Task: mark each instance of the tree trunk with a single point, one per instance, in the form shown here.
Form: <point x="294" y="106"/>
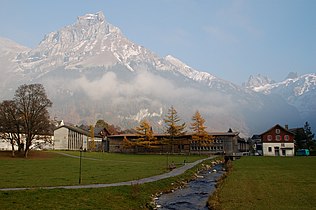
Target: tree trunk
<point x="26" y="152"/>
<point x="27" y="148"/>
<point x="12" y="146"/>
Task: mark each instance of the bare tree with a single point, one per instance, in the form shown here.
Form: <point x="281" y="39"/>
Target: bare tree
<point x="10" y="124"/>
<point x="31" y="103"/>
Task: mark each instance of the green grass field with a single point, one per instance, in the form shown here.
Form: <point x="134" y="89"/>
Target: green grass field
<point x="53" y="169"/>
<point x="49" y="168"/>
<point x="270" y="183"/>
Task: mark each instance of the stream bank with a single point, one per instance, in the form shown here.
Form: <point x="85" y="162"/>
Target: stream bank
<point x="195" y="194"/>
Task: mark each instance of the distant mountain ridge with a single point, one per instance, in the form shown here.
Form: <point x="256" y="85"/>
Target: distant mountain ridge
<point x="299" y="91"/>
<point x="92" y="71"/>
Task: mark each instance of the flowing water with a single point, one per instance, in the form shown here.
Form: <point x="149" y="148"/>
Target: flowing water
<point x="195" y="195"/>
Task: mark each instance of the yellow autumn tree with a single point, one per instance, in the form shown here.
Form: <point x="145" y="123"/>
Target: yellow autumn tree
<point x="173" y="126"/>
<point x="200" y="138"/>
<point x="146" y="138"/>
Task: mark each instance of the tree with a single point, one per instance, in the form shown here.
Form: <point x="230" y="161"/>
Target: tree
<point x="111" y="128"/>
<point x="100" y="124"/>
<point x="200" y="137"/>
<point x="32" y="103"/>
<point x="127" y="144"/>
<point x="173" y="128"/>
<point x="10" y="124"/>
<point x="146" y="137"/>
<point x="308" y="136"/>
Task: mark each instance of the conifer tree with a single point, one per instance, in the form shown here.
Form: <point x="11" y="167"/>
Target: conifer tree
<point x="309" y="136"/>
<point x="127" y="144"/>
<point x="200" y="137"/>
<point x="146" y="137"/>
<point x="173" y="126"/>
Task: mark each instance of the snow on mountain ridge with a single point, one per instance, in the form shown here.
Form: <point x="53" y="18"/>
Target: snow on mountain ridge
<point x="298" y="86"/>
<point x="91" y="42"/>
<point x="200" y="76"/>
<point x="188" y="71"/>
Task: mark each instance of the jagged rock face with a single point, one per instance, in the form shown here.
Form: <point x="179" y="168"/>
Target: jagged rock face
<point x="258" y="81"/>
<point x="92" y="71"/>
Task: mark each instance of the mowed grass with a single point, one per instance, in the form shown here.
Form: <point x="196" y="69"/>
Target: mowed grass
<point x="270" y="183"/>
<point x="53" y="169"/>
<point x="133" y="197"/>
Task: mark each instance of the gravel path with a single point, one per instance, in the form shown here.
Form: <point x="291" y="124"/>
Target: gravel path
<point x="174" y="172"/>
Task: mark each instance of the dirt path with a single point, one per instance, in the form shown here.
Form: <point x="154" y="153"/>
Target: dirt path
<point x="174" y="172"/>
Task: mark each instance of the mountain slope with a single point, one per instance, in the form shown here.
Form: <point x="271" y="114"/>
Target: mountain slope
<point x="91" y="71"/>
<point x="8" y="53"/>
<point x="299" y="91"/>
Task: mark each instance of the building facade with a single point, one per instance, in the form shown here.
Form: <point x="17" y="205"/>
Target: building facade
<point x="68" y="137"/>
<point x="222" y="143"/>
<point x="277" y="141"/>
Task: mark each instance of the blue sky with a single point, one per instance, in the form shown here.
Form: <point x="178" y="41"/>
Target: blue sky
<point x="230" y="39"/>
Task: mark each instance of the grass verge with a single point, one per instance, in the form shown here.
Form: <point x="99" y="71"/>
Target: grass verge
<point x="268" y="183"/>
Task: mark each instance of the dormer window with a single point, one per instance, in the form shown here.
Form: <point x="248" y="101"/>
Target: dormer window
<point x="286" y="137"/>
<point x="278" y="137"/>
<point x="277" y="131"/>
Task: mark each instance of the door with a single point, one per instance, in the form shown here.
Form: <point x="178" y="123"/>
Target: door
<point x="276" y="151"/>
<point x="283" y="152"/>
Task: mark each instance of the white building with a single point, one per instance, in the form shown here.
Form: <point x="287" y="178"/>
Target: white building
<point x="68" y="137"/>
<point x="278" y="141"/>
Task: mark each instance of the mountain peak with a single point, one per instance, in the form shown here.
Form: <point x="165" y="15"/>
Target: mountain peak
<point x="292" y="75"/>
<point x="91" y="18"/>
<point x="258" y="80"/>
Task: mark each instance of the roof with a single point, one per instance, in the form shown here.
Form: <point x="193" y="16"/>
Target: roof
<point x="277" y="126"/>
<point x="189" y="134"/>
<point x="74" y="128"/>
<point x="297" y="130"/>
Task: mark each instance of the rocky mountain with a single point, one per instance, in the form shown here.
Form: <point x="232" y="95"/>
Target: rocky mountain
<point x="298" y="91"/>
<point x="92" y="71"/>
<point x="8" y="52"/>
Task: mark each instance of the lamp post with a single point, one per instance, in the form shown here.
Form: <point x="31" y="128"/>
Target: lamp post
<point x="80" y="165"/>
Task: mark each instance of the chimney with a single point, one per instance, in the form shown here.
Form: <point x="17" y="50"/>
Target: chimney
<point x="286" y="127"/>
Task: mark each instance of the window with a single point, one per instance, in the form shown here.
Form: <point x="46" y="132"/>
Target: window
<point x="277" y="131"/>
<point x="269" y="149"/>
<point x="278" y="137"/>
<point x="286" y="137"/>
<point x="269" y="137"/>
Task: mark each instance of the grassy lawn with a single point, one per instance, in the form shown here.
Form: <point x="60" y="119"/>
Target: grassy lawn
<point x="52" y="169"/>
<point x="270" y="183"/>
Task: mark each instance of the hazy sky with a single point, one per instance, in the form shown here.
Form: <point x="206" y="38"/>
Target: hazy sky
<point x="229" y="39"/>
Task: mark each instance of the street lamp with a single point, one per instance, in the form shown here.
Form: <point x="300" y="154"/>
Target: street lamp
<point x="80" y="165"/>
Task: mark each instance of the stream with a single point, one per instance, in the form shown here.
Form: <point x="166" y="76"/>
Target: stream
<point x="193" y="196"/>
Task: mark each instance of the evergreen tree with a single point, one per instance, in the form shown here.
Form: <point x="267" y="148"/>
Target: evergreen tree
<point x="173" y="126"/>
<point x="200" y="137"/>
<point x="309" y="136"/>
